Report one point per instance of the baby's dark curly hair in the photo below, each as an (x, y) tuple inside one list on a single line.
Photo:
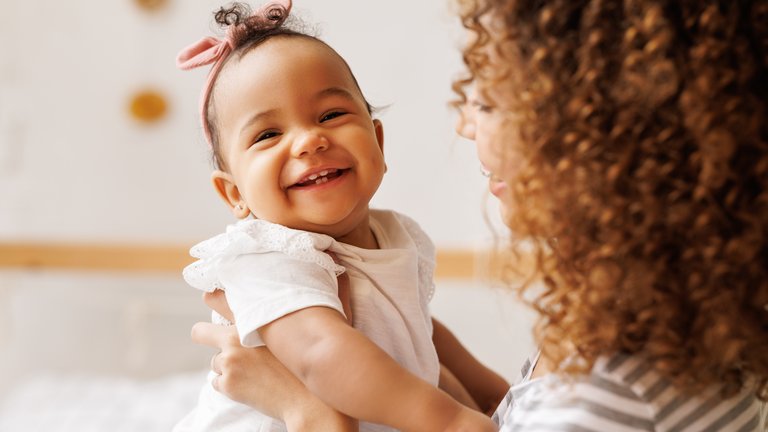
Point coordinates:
[(247, 31), (642, 125)]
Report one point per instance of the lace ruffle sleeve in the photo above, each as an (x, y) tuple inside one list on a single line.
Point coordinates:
[(253, 236)]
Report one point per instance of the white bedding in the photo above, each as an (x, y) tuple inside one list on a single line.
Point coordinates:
[(54, 403)]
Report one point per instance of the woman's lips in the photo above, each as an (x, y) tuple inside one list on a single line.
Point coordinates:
[(496, 186)]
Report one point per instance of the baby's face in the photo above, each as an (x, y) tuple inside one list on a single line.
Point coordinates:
[(297, 137)]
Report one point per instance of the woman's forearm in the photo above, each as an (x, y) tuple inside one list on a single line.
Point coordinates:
[(486, 387), (451, 385)]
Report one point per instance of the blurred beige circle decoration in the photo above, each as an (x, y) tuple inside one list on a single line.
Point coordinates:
[(151, 5), (148, 106)]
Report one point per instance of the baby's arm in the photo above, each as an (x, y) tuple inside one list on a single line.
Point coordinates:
[(486, 387), (353, 375)]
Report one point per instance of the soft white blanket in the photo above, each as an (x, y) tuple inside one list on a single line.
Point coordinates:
[(54, 403)]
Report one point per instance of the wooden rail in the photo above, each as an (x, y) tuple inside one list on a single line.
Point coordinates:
[(462, 264)]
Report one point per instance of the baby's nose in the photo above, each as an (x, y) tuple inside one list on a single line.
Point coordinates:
[(310, 142)]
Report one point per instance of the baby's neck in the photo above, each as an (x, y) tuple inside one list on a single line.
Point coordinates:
[(361, 236)]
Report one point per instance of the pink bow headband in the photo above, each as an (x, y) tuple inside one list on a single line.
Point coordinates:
[(210, 50)]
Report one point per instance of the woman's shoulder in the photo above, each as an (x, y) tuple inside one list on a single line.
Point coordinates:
[(624, 393), (672, 408), (590, 402)]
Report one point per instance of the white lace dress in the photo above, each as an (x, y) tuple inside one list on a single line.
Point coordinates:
[(269, 271)]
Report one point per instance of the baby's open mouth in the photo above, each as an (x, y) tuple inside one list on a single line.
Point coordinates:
[(321, 177)]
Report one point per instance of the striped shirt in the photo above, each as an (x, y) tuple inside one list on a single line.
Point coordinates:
[(622, 394)]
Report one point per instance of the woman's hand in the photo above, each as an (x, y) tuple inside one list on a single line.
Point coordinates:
[(253, 376)]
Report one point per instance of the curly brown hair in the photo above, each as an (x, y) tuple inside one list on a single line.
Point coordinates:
[(645, 183)]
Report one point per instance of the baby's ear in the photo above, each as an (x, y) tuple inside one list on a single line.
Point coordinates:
[(379, 129), (228, 191)]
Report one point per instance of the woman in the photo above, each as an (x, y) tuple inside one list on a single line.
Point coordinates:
[(627, 143)]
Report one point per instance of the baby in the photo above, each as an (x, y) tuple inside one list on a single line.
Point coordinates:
[(298, 159)]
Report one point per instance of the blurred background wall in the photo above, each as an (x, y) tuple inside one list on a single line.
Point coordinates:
[(79, 166)]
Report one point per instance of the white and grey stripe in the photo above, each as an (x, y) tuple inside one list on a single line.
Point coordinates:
[(622, 394)]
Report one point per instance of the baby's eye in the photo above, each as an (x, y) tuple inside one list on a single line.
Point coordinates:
[(266, 135), (331, 115)]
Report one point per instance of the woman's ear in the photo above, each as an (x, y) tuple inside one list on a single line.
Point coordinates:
[(228, 191)]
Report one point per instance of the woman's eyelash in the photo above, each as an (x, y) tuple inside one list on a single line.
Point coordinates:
[(482, 107)]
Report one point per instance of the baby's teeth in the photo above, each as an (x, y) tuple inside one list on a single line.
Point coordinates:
[(320, 177)]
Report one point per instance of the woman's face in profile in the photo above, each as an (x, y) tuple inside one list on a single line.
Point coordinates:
[(494, 132), (488, 117)]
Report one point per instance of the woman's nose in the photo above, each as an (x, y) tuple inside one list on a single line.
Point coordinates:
[(465, 125), (308, 143)]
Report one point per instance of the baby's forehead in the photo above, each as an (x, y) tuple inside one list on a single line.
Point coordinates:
[(288, 49), (291, 45), (286, 41)]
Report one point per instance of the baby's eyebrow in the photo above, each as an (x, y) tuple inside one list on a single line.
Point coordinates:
[(335, 91), (255, 118)]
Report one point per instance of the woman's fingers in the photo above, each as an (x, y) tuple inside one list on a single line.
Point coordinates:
[(213, 364), (214, 335), (217, 301), (215, 383), (225, 339)]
